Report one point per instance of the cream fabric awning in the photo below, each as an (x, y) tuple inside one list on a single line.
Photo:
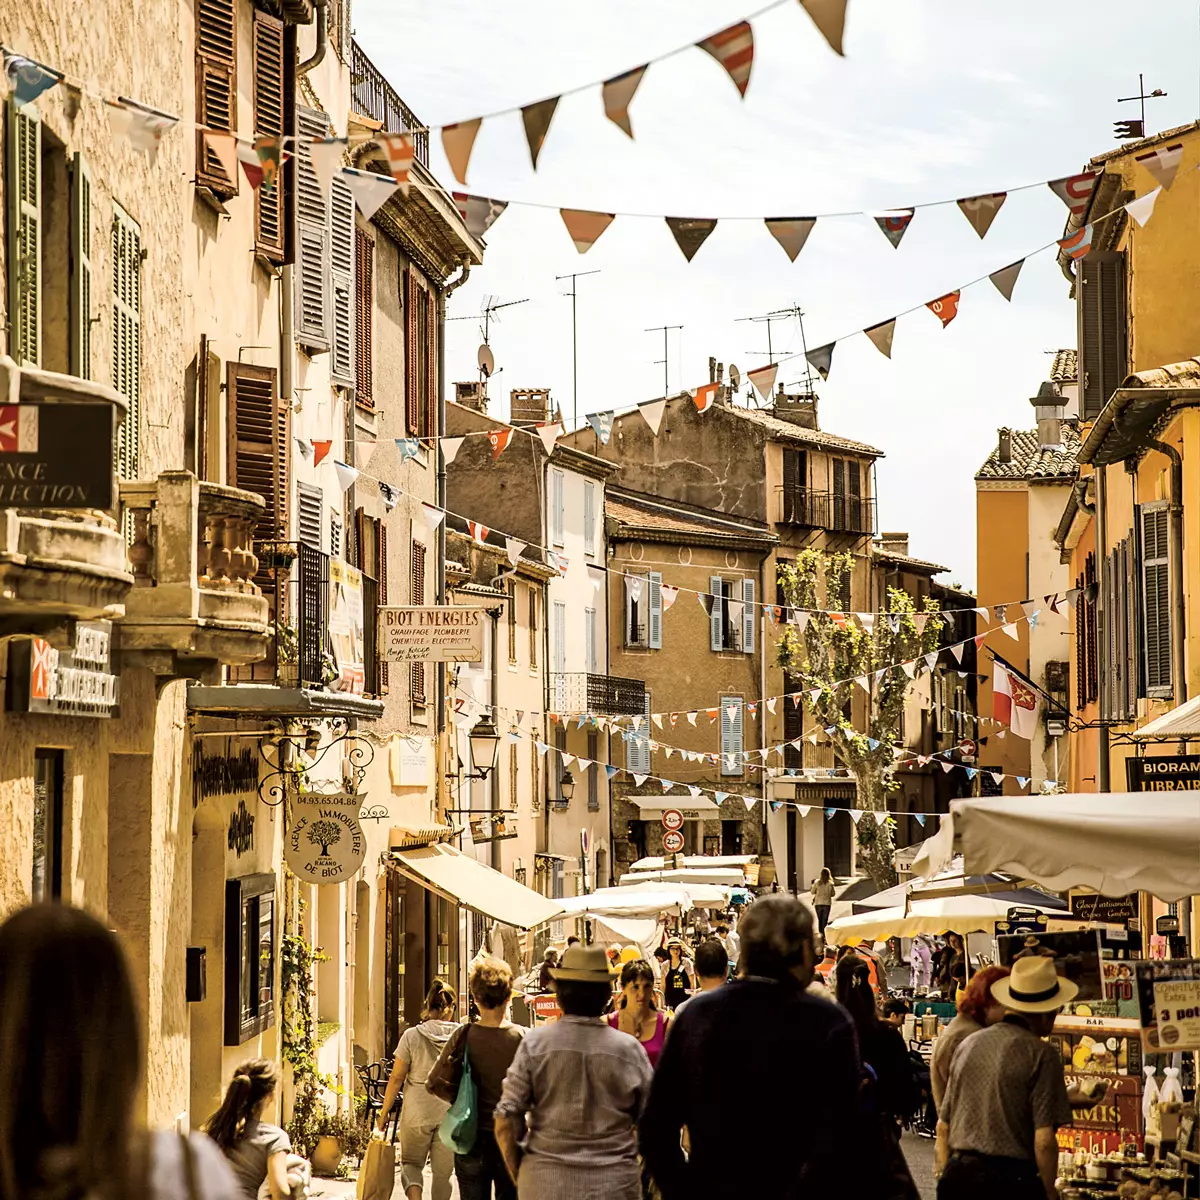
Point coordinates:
[(957, 914), (1181, 722), (650, 806), (458, 877)]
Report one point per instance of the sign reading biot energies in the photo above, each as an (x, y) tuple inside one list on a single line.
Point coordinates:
[(442, 633)]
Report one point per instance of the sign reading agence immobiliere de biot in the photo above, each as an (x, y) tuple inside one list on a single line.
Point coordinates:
[(441, 633), (1164, 773), (56, 456)]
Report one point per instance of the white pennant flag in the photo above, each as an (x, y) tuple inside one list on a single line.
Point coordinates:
[(433, 515), (1162, 163), (633, 585), (326, 157), (669, 595), (1142, 208), (1011, 630), (803, 810), (514, 547), (143, 127), (371, 191), (957, 651), (363, 449), (880, 817), (346, 475), (667, 785), (947, 767), (692, 718), (751, 801), (652, 411), (549, 434), (931, 659), (909, 668), (693, 789), (856, 814), (638, 780), (771, 705), (764, 379), (731, 711), (450, 447), (864, 683), (867, 621), (224, 146)]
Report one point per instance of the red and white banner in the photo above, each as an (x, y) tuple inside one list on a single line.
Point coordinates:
[(1014, 702), (18, 429)]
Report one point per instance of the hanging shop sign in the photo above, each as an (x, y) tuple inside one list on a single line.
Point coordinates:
[(1169, 1004), (1111, 910), (69, 683), (1164, 773), (56, 456), (346, 627), (442, 633), (325, 843)]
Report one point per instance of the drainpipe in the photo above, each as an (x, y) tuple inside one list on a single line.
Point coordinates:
[(1102, 771), (318, 55)]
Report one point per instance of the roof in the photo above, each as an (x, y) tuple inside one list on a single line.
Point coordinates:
[(656, 519), (1127, 149), (1066, 367), (1030, 461), (780, 430), (1135, 409), (904, 560)]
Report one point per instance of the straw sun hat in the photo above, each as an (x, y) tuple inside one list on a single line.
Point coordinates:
[(586, 964), (1034, 986)]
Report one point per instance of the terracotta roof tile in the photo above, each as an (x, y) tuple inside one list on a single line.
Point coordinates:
[(789, 432), (1030, 461), (1066, 367), (651, 512)]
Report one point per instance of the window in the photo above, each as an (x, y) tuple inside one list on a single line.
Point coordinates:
[(258, 442), (589, 519), (512, 621), (589, 640), (216, 88), (81, 270), (513, 776), (796, 505), (559, 638), (1155, 521), (1086, 666), (420, 345), (557, 507), (733, 614), (731, 735), (1102, 330), (342, 295), (637, 745), (535, 781), (1118, 636), (249, 957), (127, 336), (310, 502), (793, 724), (643, 610), (24, 143), (364, 294), (593, 772), (269, 91), (533, 628), (339, 27), (312, 236), (556, 765), (47, 825), (335, 535), (416, 595)]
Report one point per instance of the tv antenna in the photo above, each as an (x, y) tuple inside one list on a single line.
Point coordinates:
[(1136, 129), (663, 329), (489, 310), (574, 342)]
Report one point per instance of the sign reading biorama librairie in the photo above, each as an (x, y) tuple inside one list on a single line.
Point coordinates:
[(325, 843), (443, 633), (1164, 773), (56, 456)]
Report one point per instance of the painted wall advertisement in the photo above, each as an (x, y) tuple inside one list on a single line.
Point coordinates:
[(325, 843), (346, 627), (1169, 1004), (442, 633)]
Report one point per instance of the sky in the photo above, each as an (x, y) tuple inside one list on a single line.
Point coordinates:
[(934, 100)]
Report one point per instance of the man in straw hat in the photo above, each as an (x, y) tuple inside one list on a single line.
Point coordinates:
[(1006, 1097), (580, 1086)]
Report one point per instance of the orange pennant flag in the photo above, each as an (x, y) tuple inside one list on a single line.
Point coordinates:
[(499, 438), (733, 48), (585, 227), (399, 150), (458, 140), (703, 397), (618, 94), (945, 308)]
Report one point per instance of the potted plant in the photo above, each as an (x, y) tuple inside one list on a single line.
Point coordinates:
[(276, 554)]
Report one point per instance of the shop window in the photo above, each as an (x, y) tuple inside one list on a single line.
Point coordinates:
[(250, 948), (47, 825)]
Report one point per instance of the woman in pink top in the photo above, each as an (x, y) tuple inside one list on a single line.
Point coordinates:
[(636, 1013)]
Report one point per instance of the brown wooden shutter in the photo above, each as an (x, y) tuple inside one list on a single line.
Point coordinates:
[(381, 574), (429, 424), (793, 724), (268, 122), (358, 555), (1103, 350), (417, 597), (258, 436), (216, 87), (412, 356), (364, 251)]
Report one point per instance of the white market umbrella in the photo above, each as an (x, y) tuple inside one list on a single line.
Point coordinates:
[(1112, 842), (949, 914), (721, 876), (626, 902), (701, 895)]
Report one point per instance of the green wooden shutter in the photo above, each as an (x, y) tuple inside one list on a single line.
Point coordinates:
[(341, 238), (24, 138), (312, 237), (268, 122), (127, 336), (81, 269)]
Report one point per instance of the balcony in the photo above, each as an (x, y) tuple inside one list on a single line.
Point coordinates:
[(62, 555), (374, 97), (604, 695), (833, 511), (809, 756), (194, 604)]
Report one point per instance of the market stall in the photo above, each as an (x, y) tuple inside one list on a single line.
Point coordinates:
[(945, 914)]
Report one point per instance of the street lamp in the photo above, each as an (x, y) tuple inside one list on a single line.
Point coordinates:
[(484, 742), (566, 786)]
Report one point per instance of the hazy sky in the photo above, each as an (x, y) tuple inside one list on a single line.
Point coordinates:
[(934, 100)]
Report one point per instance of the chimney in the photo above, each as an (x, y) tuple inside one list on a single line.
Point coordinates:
[(472, 395), (1005, 447), (895, 543), (799, 408), (1050, 406), (529, 406)]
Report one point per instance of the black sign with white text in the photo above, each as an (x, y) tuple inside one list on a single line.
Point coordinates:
[(56, 456), (1164, 773)]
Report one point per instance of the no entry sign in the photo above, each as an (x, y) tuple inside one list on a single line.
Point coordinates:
[(672, 819), (672, 841)]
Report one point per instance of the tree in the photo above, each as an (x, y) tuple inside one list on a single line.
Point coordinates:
[(325, 833), (831, 656)]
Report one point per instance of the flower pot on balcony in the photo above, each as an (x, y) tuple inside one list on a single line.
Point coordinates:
[(276, 554), (326, 1155)]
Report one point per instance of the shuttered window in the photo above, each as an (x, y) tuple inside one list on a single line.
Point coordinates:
[(416, 595), (731, 735), (637, 745), (420, 346), (654, 638), (557, 507), (749, 615), (533, 628), (127, 336), (80, 316), (24, 252), (335, 535), (364, 294), (512, 621), (412, 360), (341, 278), (309, 514), (1155, 520), (559, 638), (381, 575), (589, 519), (429, 392), (216, 87), (716, 616), (1086, 667), (589, 640), (258, 439), (593, 772), (312, 237), (1102, 329), (269, 231), (793, 724), (635, 612)]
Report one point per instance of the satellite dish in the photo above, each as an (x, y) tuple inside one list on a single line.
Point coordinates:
[(486, 359), (735, 377)]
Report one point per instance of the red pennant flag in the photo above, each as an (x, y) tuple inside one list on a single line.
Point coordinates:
[(478, 532), (320, 450), (1079, 243), (1075, 191), (499, 439), (945, 308), (703, 397), (894, 224), (733, 48)]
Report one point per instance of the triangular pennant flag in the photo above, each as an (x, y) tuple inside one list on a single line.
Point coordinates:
[(909, 668), (653, 411), (979, 639), (983, 612), (894, 621), (270, 155), (559, 562), (1142, 208), (585, 227), (1162, 163), (981, 210), (143, 127), (364, 448), (736, 608), (478, 212), (305, 446), (881, 336), (1029, 607), (1006, 278), (931, 659), (612, 772), (667, 785), (704, 397), (669, 595), (945, 308), (250, 164), (636, 721), (705, 601), (712, 714), (856, 814), (478, 532), (1078, 243), (733, 48), (864, 683), (458, 140), (346, 475), (657, 719), (583, 763), (638, 780), (389, 495), (690, 233), (433, 515), (920, 819), (880, 817), (567, 759), (549, 432), (411, 447), (821, 359), (957, 651), (829, 16), (791, 233), (618, 94), (326, 155), (541, 748), (601, 422), (1075, 191), (633, 586), (28, 79), (867, 621), (894, 223), (829, 813), (513, 546), (801, 619), (536, 118), (920, 620), (764, 379), (1022, 780), (693, 789), (449, 446), (947, 767), (997, 777), (731, 711), (399, 149), (1010, 629), (498, 439), (596, 575), (320, 450), (224, 149), (370, 190)]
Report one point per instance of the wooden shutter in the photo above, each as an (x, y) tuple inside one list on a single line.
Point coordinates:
[(216, 87), (533, 628), (341, 275), (1156, 597), (654, 610), (310, 505), (512, 621), (432, 383), (559, 634), (793, 724), (593, 774), (1102, 330), (416, 595), (749, 615), (731, 736), (24, 142), (589, 517), (269, 231), (81, 269), (127, 336), (795, 473), (364, 295), (335, 535), (589, 640), (716, 616), (258, 433), (412, 356), (381, 574), (312, 237), (637, 745), (631, 619)]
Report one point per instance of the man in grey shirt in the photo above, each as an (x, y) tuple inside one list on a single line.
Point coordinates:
[(1006, 1098)]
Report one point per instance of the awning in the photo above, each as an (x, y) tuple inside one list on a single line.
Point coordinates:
[(1182, 722), (694, 860), (461, 879), (721, 876), (650, 806), (959, 914)]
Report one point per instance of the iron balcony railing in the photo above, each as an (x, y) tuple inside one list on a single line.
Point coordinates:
[(376, 98), (834, 511), (605, 695)]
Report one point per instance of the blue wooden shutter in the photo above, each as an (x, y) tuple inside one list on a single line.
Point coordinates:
[(637, 748), (654, 607), (731, 736), (716, 620), (749, 615)]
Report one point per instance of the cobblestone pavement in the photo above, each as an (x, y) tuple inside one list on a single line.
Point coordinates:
[(343, 1189), (919, 1153)]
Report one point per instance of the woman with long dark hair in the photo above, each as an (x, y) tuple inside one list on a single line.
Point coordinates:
[(822, 897), (256, 1149), (636, 1013), (677, 979), (70, 1068)]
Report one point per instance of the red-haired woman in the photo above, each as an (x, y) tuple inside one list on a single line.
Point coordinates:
[(976, 1010)]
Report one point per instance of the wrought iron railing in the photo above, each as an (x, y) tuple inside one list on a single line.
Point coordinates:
[(834, 511), (376, 98), (605, 695)]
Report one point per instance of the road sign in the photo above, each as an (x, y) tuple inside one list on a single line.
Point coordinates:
[(672, 819), (672, 841)]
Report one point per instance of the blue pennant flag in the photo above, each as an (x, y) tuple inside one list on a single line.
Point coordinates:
[(408, 447), (1022, 780), (28, 79), (920, 819), (601, 422), (719, 796), (873, 743), (776, 805), (611, 772), (829, 813), (971, 772)]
